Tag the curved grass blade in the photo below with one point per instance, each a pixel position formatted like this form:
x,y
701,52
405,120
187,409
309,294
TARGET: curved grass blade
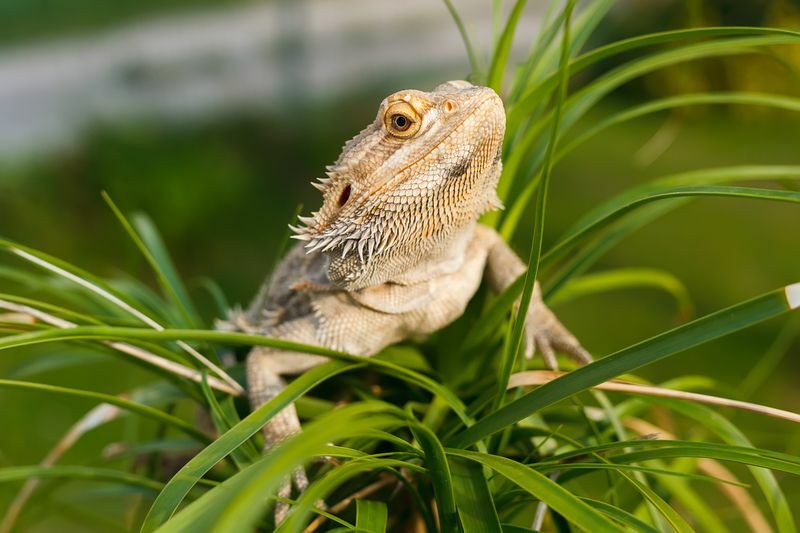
x,y
371,516
776,499
139,409
626,278
86,473
439,470
154,357
182,482
474,58
162,266
540,377
543,488
539,91
497,69
476,506
243,339
530,145
599,220
101,289
694,333
621,515
776,101
514,341
322,487
239,502
589,253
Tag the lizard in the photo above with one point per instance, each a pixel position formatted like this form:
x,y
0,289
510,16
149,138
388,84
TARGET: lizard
x,y
396,249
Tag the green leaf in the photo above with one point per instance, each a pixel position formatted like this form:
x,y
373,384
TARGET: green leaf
x,y
321,488
656,348
139,409
558,498
718,424
240,501
621,515
626,278
513,342
232,338
86,473
160,266
475,503
474,58
371,516
497,69
182,482
439,470
603,219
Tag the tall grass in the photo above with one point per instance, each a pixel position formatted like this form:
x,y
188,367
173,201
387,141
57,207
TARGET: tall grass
x,y
472,453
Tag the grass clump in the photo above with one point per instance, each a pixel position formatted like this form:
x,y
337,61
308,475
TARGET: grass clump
x,y
424,446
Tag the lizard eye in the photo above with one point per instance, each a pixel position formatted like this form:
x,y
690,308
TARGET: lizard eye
x,y
401,120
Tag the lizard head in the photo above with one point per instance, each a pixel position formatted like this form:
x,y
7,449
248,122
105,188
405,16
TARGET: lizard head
x,y
426,168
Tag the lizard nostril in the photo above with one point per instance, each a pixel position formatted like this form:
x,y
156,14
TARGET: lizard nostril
x,y
344,196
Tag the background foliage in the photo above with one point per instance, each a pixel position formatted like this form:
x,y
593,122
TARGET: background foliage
x,y
221,190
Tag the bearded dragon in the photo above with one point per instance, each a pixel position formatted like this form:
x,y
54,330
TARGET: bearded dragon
x,y
396,249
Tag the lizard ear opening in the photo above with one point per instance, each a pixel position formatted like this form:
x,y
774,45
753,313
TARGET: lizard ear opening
x,y
344,196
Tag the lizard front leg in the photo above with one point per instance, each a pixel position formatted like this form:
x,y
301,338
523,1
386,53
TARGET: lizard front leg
x,y
265,368
543,331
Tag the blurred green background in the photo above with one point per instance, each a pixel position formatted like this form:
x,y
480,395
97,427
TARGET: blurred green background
x,y
212,118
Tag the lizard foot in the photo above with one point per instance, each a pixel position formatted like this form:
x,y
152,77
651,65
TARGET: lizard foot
x,y
545,333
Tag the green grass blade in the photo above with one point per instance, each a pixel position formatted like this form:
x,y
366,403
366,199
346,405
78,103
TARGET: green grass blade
x,y
530,146
543,488
716,423
321,488
182,482
497,69
512,344
600,220
476,508
589,253
786,103
166,283
139,409
474,59
240,501
626,278
439,470
530,100
710,327
152,239
85,473
238,339
621,516
371,516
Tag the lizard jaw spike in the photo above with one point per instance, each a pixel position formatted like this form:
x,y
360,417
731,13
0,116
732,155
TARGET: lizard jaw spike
x,y
316,244
319,186
371,247
308,221
361,244
299,233
348,245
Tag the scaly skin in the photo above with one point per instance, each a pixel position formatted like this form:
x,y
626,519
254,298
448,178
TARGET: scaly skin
x,y
396,249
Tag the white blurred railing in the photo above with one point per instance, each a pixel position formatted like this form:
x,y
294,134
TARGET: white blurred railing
x,y
207,62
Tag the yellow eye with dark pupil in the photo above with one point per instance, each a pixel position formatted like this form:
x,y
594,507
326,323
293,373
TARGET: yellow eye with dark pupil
x,y
400,122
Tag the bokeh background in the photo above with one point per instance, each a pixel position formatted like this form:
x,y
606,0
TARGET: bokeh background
x,y
212,118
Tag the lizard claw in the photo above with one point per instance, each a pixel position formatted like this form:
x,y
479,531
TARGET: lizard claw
x,y
543,331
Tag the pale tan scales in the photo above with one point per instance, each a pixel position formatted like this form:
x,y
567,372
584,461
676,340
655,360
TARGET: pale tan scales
x,y
395,249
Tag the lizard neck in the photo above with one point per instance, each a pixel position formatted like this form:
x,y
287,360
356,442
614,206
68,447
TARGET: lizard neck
x,y
444,258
